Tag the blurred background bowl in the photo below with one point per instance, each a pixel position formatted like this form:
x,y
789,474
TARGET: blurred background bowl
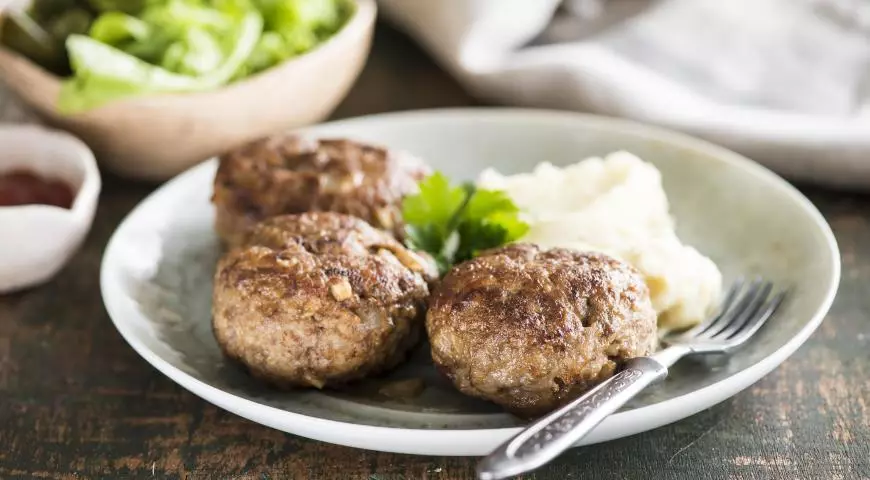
x,y
157,136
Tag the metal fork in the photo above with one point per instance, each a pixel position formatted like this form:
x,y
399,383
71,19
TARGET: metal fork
x,y
743,311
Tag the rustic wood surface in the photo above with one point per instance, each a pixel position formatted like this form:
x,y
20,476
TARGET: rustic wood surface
x,y
77,402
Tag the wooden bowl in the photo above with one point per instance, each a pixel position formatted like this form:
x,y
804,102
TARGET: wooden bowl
x,y
157,136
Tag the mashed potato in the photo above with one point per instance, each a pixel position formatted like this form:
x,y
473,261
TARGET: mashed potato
x,y
617,206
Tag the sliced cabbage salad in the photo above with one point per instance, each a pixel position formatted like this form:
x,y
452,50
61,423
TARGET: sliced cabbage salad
x,y
114,49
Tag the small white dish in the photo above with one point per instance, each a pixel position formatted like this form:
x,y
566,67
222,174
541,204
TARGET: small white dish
x,y
157,272
38,240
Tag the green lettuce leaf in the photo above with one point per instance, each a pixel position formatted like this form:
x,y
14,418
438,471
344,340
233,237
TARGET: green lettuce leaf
x,y
104,73
197,53
113,28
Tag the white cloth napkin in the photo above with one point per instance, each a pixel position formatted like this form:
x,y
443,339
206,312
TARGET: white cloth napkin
x,y
786,82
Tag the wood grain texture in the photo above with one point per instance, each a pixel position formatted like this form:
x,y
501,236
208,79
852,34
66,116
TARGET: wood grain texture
x,y
77,402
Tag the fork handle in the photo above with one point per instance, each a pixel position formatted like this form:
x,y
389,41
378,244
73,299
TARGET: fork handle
x,y
548,437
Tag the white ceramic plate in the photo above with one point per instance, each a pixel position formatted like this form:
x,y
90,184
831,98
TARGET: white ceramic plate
x,y
157,273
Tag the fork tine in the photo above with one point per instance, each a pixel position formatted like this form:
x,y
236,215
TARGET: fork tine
x,y
742,318
730,296
728,316
751,327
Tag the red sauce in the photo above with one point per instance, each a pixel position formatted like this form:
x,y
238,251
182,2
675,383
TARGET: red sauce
x,y
20,187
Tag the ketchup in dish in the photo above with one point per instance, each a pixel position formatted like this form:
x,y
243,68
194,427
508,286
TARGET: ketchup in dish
x,y
20,187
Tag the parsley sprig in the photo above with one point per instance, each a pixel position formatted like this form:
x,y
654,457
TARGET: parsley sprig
x,y
455,223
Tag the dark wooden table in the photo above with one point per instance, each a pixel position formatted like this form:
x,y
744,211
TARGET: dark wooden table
x,y
77,402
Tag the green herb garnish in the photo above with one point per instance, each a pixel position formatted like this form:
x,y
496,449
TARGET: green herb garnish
x,y
455,223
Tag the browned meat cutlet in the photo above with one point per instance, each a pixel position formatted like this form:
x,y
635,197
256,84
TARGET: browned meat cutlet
x,y
531,329
286,174
318,299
